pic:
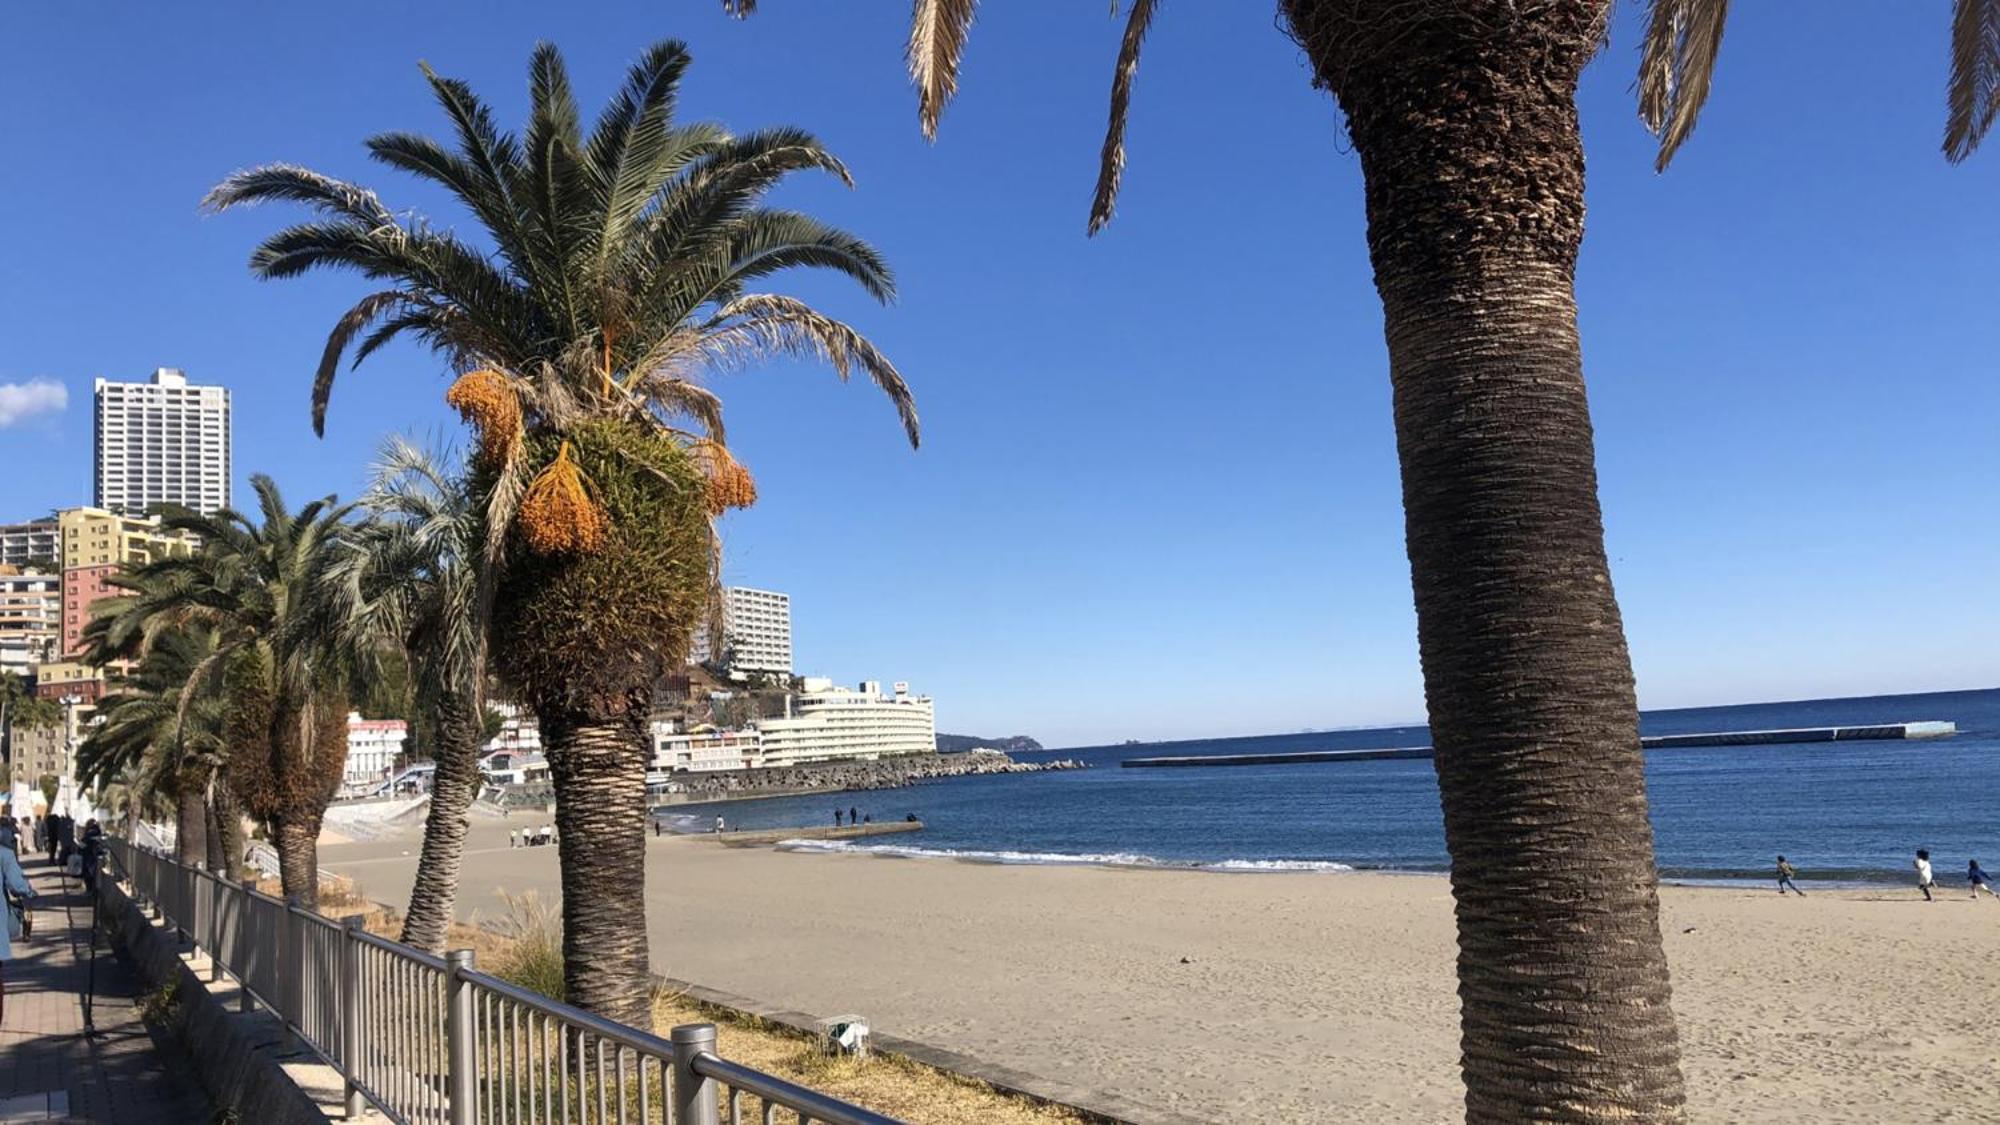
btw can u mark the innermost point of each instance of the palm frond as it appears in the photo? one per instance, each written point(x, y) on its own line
point(293, 184)
point(1111, 162)
point(1972, 97)
point(679, 397)
point(937, 42)
point(764, 324)
point(631, 136)
point(364, 313)
point(1676, 67)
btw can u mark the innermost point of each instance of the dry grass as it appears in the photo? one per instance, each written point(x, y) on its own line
point(886, 1084)
point(523, 946)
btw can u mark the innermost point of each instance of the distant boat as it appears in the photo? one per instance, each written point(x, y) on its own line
point(1131, 742)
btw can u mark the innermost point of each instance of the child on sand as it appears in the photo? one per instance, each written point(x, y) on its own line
point(1976, 875)
point(1785, 873)
point(1923, 866)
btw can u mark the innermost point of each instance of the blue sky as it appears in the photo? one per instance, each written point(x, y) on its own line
point(1158, 493)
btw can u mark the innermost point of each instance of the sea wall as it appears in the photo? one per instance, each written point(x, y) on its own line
point(245, 1061)
point(822, 777)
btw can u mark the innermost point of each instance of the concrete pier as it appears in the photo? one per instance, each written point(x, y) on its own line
point(1876, 733)
point(759, 837)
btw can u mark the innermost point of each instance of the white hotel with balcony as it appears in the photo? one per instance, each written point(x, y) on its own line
point(822, 723)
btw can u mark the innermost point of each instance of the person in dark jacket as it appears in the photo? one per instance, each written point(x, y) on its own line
point(1980, 881)
point(92, 849)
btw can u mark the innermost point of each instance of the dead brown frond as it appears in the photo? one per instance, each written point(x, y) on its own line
point(1111, 162)
point(937, 41)
point(1972, 97)
point(678, 397)
point(1676, 66)
point(759, 325)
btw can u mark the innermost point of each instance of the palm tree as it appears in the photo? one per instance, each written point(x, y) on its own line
point(12, 691)
point(1464, 117)
point(284, 710)
point(407, 576)
point(160, 729)
point(621, 270)
point(38, 712)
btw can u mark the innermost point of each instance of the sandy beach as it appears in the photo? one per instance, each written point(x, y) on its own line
point(1310, 997)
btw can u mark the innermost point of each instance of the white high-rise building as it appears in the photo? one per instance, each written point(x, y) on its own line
point(162, 442)
point(757, 631)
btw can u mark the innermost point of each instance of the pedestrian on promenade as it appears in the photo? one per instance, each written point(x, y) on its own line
point(513, 837)
point(836, 818)
point(1785, 873)
point(718, 824)
point(15, 883)
point(853, 816)
point(10, 837)
point(92, 850)
point(1924, 881)
point(1976, 875)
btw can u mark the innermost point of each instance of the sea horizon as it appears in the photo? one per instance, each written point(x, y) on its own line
point(1656, 714)
point(1844, 813)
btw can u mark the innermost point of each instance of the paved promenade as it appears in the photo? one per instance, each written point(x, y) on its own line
point(49, 1071)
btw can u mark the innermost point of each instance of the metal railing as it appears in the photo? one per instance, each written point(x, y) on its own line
point(432, 1041)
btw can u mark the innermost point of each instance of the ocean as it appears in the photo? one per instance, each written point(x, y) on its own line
point(1845, 812)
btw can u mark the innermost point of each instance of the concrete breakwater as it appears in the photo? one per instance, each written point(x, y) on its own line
point(759, 837)
point(832, 777)
point(1873, 733)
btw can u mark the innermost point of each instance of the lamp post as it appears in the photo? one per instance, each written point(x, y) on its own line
point(66, 784)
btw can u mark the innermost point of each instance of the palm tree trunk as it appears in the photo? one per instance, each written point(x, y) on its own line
point(1464, 117)
point(599, 769)
point(297, 841)
point(225, 833)
point(456, 783)
point(190, 821)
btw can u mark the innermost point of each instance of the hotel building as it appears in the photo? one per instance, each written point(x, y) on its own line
point(373, 745)
point(827, 723)
point(704, 750)
point(757, 632)
point(36, 543)
point(30, 619)
point(94, 544)
point(162, 442)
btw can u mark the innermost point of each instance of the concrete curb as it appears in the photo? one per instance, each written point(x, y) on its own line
point(246, 1062)
point(1095, 1105)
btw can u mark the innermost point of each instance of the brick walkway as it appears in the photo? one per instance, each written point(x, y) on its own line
point(48, 1070)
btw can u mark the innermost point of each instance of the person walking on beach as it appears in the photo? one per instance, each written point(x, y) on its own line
point(1976, 875)
point(836, 818)
point(718, 825)
point(853, 817)
point(14, 883)
point(1785, 873)
point(1924, 881)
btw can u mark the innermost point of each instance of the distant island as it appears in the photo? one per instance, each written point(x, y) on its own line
point(959, 743)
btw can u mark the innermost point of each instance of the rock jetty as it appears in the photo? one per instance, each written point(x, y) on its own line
point(820, 777)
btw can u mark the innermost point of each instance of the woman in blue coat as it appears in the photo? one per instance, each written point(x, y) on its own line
point(15, 881)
